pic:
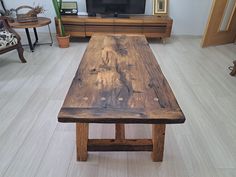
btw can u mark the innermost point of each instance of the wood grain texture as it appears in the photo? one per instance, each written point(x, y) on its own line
point(128, 26)
point(120, 81)
point(42, 21)
point(82, 141)
point(150, 26)
point(120, 145)
point(129, 116)
point(158, 140)
point(120, 131)
point(213, 35)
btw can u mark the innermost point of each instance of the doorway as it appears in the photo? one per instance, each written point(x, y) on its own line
point(221, 26)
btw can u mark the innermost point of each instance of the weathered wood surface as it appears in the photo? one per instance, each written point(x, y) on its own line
point(120, 131)
point(158, 140)
point(82, 130)
point(120, 81)
point(120, 145)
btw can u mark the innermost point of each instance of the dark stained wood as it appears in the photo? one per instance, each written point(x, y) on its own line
point(74, 30)
point(73, 26)
point(158, 140)
point(157, 27)
point(233, 73)
point(120, 131)
point(120, 81)
point(150, 26)
point(120, 145)
point(128, 26)
point(82, 141)
point(102, 29)
point(18, 46)
point(100, 115)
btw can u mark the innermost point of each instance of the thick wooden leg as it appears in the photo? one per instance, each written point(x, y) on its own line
point(120, 131)
point(233, 73)
point(158, 140)
point(82, 130)
point(20, 51)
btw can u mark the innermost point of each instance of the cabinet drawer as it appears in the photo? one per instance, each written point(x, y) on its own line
point(91, 29)
point(75, 30)
point(123, 29)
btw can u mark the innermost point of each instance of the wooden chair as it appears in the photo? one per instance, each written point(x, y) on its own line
point(233, 72)
point(9, 39)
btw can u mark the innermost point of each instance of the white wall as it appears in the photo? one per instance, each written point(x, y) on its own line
point(190, 16)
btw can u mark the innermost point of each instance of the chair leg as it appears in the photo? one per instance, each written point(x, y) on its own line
point(20, 51)
point(233, 73)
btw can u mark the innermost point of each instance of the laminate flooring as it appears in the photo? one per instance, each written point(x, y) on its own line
point(34, 144)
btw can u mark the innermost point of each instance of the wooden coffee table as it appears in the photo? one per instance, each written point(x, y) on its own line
point(119, 81)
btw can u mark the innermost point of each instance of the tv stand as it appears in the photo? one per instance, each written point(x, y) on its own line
point(123, 16)
point(115, 15)
point(150, 26)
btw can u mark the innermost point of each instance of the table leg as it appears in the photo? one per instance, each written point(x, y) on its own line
point(82, 130)
point(158, 140)
point(29, 39)
point(120, 131)
point(36, 35)
point(49, 30)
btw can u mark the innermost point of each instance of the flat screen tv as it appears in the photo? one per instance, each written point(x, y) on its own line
point(115, 6)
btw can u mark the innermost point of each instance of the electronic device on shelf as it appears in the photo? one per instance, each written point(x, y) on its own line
point(69, 8)
point(115, 8)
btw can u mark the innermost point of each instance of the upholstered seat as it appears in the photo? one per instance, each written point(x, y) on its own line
point(9, 39)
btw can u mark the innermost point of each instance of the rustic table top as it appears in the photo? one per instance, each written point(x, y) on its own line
point(42, 21)
point(120, 81)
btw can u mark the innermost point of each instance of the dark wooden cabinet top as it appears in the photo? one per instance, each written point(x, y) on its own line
point(149, 25)
point(120, 81)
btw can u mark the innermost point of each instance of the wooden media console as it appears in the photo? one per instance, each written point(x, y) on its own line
point(150, 26)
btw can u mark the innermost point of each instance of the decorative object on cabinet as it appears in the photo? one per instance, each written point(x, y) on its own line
point(69, 8)
point(160, 7)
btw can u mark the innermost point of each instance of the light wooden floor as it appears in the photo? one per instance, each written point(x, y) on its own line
point(33, 144)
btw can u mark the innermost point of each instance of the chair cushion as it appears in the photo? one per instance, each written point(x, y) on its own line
point(7, 39)
point(1, 24)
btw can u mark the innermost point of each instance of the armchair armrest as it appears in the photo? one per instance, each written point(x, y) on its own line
point(8, 28)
